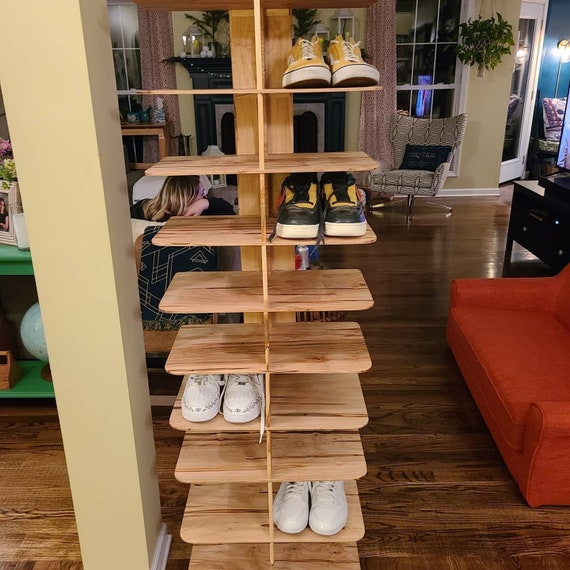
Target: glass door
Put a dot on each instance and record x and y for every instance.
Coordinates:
(523, 89)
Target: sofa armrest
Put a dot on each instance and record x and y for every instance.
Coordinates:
(548, 420)
(533, 294)
(547, 454)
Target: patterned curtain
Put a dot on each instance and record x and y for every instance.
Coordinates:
(157, 44)
(378, 106)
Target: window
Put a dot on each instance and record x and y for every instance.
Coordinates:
(124, 22)
(428, 73)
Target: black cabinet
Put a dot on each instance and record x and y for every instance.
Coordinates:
(540, 223)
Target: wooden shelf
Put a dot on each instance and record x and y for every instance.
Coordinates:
(300, 556)
(267, 91)
(299, 402)
(14, 261)
(276, 163)
(239, 513)
(242, 291)
(177, 5)
(236, 230)
(312, 347)
(296, 456)
(31, 384)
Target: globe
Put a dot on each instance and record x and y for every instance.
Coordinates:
(32, 333)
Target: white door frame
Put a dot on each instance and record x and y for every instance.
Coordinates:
(532, 10)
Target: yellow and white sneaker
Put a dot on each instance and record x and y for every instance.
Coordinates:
(347, 66)
(307, 68)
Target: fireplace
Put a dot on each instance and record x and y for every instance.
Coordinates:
(318, 117)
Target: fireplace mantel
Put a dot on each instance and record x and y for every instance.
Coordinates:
(216, 73)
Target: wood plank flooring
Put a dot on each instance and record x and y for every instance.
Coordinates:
(436, 496)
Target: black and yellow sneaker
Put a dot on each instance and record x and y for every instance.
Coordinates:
(299, 215)
(343, 211)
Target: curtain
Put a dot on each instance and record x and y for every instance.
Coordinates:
(157, 44)
(378, 106)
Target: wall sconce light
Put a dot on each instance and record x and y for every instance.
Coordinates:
(193, 40)
(563, 50)
(343, 23)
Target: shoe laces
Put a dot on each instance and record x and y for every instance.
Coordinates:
(203, 381)
(348, 50)
(307, 49)
(323, 490)
(294, 489)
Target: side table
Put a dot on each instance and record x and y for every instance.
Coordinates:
(540, 223)
(147, 130)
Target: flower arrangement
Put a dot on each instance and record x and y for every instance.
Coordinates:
(7, 164)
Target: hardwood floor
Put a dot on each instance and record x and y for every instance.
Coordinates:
(437, 494)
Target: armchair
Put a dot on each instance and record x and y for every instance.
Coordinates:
(423, 174)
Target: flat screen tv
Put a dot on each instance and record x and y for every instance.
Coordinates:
(558, 185)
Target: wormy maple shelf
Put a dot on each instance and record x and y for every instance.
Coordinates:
(237, 230)
(272, 163)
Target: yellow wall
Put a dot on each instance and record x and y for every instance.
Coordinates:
(487, 101)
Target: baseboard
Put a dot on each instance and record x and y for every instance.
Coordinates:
(468, 192)
(162, 549)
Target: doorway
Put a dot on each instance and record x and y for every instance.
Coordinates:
(523, 89)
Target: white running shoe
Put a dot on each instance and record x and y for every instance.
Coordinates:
(329, 510)
(291, 507)
(201, 397)
(244, 397)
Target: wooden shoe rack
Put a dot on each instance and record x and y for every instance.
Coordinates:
(314, 402)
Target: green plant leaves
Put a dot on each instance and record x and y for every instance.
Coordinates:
(485, 42)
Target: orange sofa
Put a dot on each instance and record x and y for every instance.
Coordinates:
(511, 340)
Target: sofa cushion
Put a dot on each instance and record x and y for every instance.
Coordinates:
(522, 357)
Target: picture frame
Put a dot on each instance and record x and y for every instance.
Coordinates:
(10, 203)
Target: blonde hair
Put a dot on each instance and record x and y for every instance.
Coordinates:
(176, 194)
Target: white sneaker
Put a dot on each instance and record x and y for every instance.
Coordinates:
(244, 397)
(291, 507)
(201, 397)
(329, 510)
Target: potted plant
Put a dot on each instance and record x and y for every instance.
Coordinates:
(306, 19)
(484, 42)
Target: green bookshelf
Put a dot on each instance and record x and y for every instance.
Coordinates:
(14, 261)
(31, 384)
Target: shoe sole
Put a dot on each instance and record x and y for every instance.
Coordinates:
(297, 232)
(355, 75)
(197, 418)
(345, 230)
(241, 419)
(310, 76)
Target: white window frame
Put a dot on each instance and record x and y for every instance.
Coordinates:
(459, 85)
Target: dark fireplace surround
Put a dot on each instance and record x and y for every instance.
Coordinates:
(318, 117)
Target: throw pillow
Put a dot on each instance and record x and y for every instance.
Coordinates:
(553, 113)
(424, 157)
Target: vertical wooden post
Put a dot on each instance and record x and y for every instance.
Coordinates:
(64, 124)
